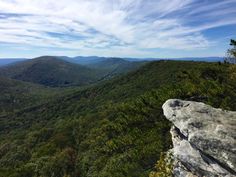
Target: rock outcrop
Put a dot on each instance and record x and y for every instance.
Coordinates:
(204, 139)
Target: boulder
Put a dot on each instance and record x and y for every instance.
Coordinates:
(204, 138)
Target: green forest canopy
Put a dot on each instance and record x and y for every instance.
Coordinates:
(115, 128)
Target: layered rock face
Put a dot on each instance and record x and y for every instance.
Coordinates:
(204, 139)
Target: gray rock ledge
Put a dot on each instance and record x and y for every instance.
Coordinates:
(204, 139)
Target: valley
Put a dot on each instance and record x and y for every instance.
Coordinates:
(114, 127)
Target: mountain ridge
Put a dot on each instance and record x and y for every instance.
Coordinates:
(58, 71)
(85, 60)
(50, 71)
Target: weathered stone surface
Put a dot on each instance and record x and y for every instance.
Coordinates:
(204, 138)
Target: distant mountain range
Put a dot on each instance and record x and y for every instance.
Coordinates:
(50, 71)
(83, 60)
(7, 61)
(94, 59)
(207, 59)
(62, 71)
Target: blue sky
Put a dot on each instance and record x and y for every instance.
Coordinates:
(121, 28)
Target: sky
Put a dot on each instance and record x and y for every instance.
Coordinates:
(118, 28)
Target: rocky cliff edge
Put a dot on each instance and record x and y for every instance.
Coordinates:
(204, 139)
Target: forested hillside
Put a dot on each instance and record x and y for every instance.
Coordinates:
(16, 95)
(63, 72)
(51, 71)
(115, 128)
(115, 66)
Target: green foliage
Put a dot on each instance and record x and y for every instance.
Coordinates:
(115, 66)
(164, 166)
(115, 128)
(16, 95)
(231, 58)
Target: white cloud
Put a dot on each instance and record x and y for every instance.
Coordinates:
(112, 25)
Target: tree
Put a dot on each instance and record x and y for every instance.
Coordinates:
(231, 53)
